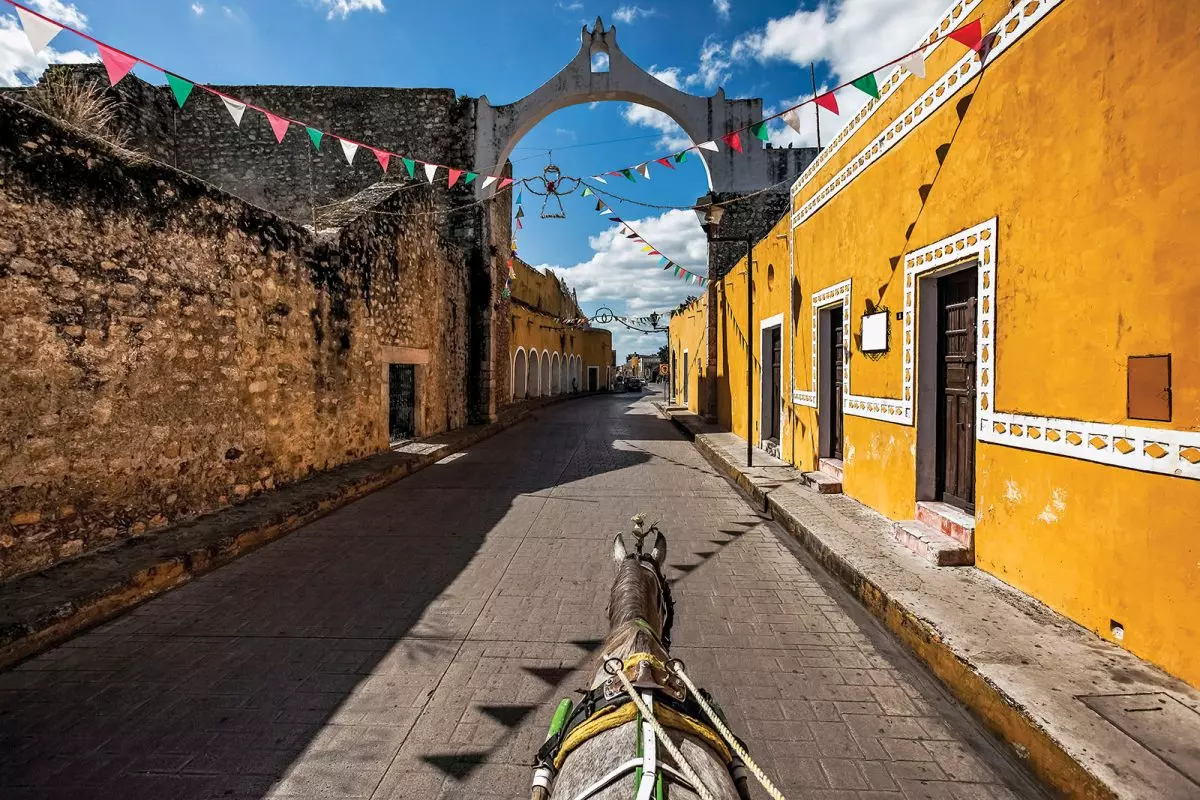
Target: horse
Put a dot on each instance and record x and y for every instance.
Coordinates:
(603, 748)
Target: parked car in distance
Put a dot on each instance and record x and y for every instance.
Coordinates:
(618, 384)
(634, 384)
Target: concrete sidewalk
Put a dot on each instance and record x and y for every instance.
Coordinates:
(1092, 719)
(44, 608)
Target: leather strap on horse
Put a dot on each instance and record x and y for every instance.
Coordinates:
(616, 716)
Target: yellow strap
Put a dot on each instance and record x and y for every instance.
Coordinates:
(633, 660)
(609, 718)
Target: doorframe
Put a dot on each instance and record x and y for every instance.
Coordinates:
(824, 387)
(926, 344)
(419, 358)
(590, 370)
(686, 377)
(764, 331)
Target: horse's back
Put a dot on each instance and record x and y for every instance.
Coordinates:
(608, 750)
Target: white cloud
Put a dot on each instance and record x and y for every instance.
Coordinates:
(673, 137)
(65, 13)
(782, 134)
(344, 8)
(197, 9)
(722, 7)
(714, 67)
(19, 65)
(621, 276)
(851, 35)
(627, 14)
(575, 6)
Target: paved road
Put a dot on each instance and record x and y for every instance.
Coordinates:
(412, 645)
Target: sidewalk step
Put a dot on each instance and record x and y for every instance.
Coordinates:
(832, 467)
(822, 483)
(932, 545)
(948, 520)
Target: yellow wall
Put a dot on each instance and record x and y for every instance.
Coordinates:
(535, 331)
(542, 291)
(1077, 140)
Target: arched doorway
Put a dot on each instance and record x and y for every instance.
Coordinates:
(534, 379)
(555, 374)
(520, 374)
(545, 382)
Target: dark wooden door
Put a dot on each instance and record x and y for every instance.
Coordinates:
(956, 389)
(774, 381)
(685, 377)
(837, 360)
(402, 386)
(593, 379)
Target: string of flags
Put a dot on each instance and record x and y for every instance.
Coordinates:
(628, 232)
(969, 34)
(41, 29)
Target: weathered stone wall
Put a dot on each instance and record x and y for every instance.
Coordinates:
(166, 349)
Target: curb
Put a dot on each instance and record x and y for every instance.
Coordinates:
(151, 575)
(998, 711)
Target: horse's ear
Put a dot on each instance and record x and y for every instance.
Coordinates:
(659, 551)
(619, 551)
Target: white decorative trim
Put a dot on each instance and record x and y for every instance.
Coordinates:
(839, 293)
(1011, 28)
(770, 322)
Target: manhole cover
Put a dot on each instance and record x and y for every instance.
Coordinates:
(1159, 723)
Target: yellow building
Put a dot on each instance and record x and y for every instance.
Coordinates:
(549, 353)
(988, 318)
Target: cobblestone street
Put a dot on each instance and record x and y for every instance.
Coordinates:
(414, 643)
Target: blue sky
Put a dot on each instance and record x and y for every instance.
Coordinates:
(752, 48)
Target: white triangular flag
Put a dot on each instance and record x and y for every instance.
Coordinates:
(349, 148)
(235, 109)
(598, 178)
(644, 170)
(39, 31)
(488, 181)
(431, 170)
(915, 64)
(709, 146)
(792, 118)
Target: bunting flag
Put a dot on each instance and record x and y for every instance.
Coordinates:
(116, 63)
(628, 173)
(430, 171)
(600, 204)
(38, 30)
(279, 125)
(915, 64)
(606, 211)
(666, 162)
(235, 109)
(315, 136)
(644, 171)
(792, 118)
(454, 175)
(598, 178)
(520, 198)
(681, 157)
(587, 191)
(520, 226)
(827, 101)
(180, 87)
(488, 180)
(709, 146)
(504, 184)
(349, 148)
(733, 140)
(759, 131)
(970, 34)
(410, 166)
(383, 157)
(520, 212)
(471, 176)
(866, 83)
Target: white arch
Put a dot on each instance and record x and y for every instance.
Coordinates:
(571, 385)
(520, 374)
(545, 382)
(555, 374)
(533, 382)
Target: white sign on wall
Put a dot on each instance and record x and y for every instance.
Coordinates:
(875, 332)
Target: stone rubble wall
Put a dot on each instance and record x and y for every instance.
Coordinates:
(167, 349)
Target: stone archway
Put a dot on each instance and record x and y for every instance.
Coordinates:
(499, 128)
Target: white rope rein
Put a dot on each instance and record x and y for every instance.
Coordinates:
(729, 738)
(686, 768)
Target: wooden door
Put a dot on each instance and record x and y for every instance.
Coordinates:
(402, 391)
(773, 383)
(837, 360)
(685, 377)
(956, 389)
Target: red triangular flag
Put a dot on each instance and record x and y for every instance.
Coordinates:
(455, 174)
(383, 157)
(505, 183)
(519, 225)
(278, 125)
(828, 102)
(733, 140)
(970, 34)
(666, 162)
(117, 63)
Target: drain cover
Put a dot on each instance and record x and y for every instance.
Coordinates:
(1159, 723)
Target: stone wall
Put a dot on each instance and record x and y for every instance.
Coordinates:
(167, 349)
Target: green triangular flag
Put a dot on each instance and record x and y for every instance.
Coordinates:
(315, 135)
(628, 173)
(180, 88)
(520, 212)
(409, 165)
(470, 177)
(681, 157)
(759, 129)
(867, 84)
(587, 192)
